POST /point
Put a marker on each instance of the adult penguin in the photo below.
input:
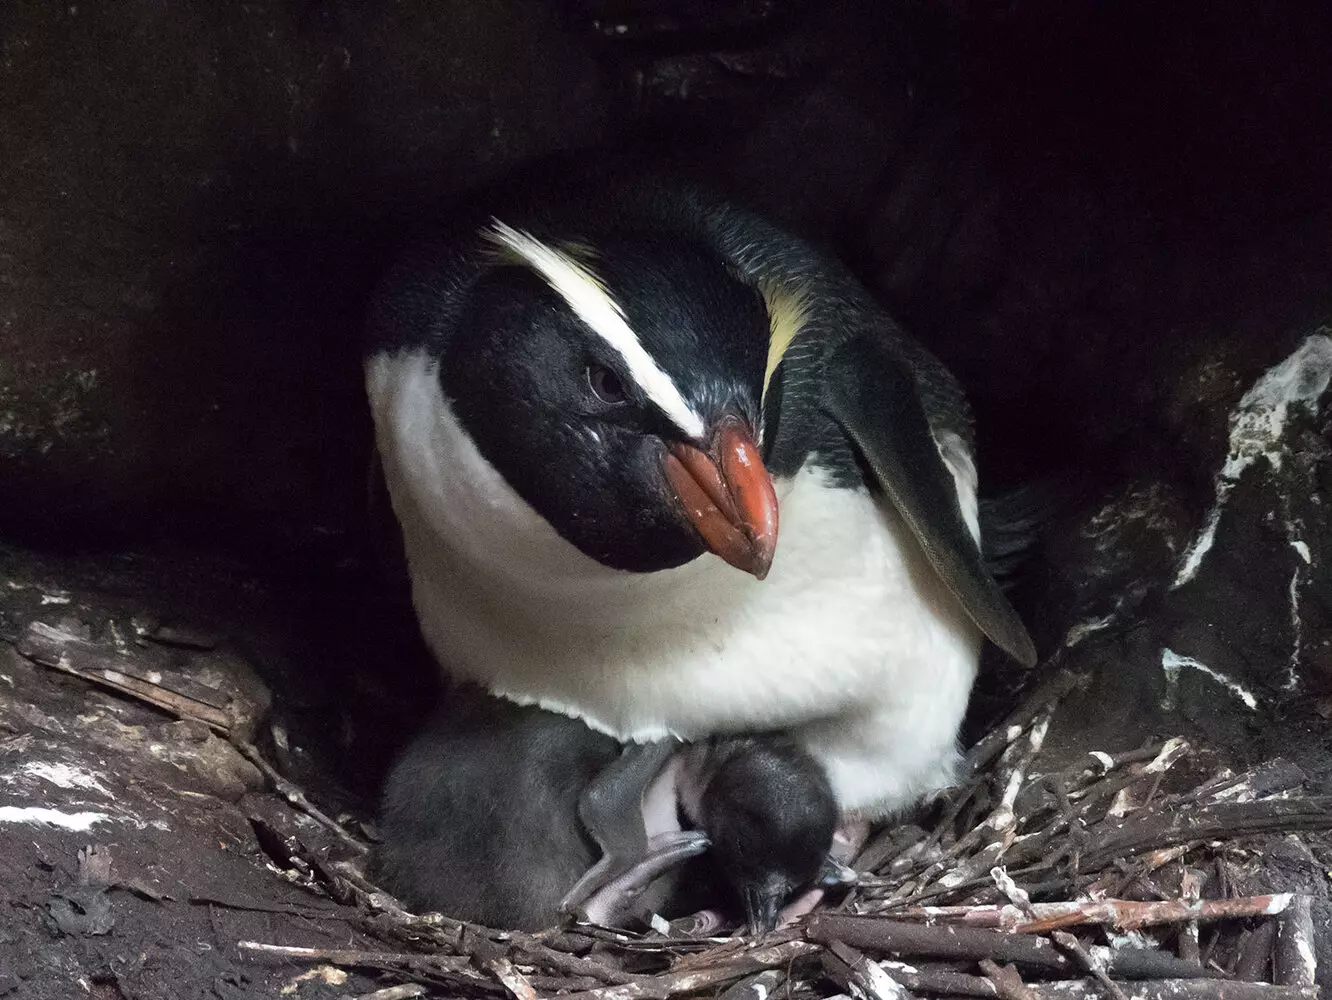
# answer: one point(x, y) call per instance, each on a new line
point(595, 401)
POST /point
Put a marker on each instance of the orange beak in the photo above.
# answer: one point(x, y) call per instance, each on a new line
point(728, 496)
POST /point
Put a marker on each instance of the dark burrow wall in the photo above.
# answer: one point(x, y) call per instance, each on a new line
point(1111, 219)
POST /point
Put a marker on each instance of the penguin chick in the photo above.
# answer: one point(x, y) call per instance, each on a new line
point(496, 810)
point(768, 810)
point(479, 817)
point(765, 806)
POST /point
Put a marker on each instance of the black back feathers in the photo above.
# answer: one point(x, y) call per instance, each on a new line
point(872, 394)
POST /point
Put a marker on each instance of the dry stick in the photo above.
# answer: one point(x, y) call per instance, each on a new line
point(939, 982)
point(998, 828)
point(948, 941)
point(563, 984)
point(1143, 864)
point(888, 845)
point(853, 970)
point(1271, 778)
point(977, 883)
point(675, 983)
point(1012, 778)
point(404, 992)
point(727, 949)
point(451, 965)
point(1110, 787)
point(1044, 696)
point(1236, 950)
point(1210, 947)
point(514, 981)
point(1124, 963)
point(1148, 963)
point(758, 987)
point(1296, 962)
point(1190, 888)
point(1256, 956)
point(1037, 845)
point(995, 829)
point(1006, 980)
point(1126, 913)
point(1174, 989)
point(1074, 947)
point(1219, 821)
point(1130, 914)
point(297, 798)
point(537, 953)
point(69, 654)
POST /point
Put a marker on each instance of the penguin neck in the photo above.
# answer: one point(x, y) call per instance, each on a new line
point(461, 518)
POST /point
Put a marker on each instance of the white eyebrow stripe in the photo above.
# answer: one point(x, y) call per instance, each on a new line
point(593, 304)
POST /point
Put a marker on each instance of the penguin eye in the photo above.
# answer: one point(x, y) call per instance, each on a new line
point(606, 385)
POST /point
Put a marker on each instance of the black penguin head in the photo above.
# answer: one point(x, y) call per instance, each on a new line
point(770, 814)
point(618, 391)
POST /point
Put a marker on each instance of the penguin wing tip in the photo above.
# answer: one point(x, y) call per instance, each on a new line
point(1014, 639)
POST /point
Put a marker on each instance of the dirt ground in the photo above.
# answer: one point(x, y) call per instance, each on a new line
point(137, 848)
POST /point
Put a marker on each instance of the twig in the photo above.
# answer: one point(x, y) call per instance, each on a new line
point(1225, 820)
point(1015, 894)
point(516, 983)
point(404, 992)
point(997, 831)
point(732, 948)
point(758, 987)
point(70, 654)
point(893, 842)
point(1045, 695)
point(451, 965)
point(1124, 913)
point(1006, 980)
point(1073, 946)
point(1236, 950)
point(1190, 889)
point(1256, 956)
point(1143, 864)
point(1131, 915)
point(1148, 963)
point(1011, 779)
point(1175, 989)
point(675, 983)
point(1037, 845)
point(563, 984)
point(947, 941)
point(939, 982)
point(859, 975)
point(1296, 961)
point(542, 954)
point(297, 798)
point(935, 893)
point(1271, 778)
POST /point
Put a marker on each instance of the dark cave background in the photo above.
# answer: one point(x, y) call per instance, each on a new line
point(1075, 204)
point(1109, 218)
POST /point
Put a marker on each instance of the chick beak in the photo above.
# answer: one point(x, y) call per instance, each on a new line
point(728, 496)
point(763, 905)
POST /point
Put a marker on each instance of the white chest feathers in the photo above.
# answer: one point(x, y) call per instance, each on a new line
point(851, 643)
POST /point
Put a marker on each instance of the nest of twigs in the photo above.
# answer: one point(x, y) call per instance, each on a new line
point(1103, 878)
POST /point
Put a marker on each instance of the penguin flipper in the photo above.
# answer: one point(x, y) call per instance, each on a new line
point(872, 394)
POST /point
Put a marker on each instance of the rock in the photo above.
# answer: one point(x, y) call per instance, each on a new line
point(81, 766)
point(1215, 624)
point(81, 911)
